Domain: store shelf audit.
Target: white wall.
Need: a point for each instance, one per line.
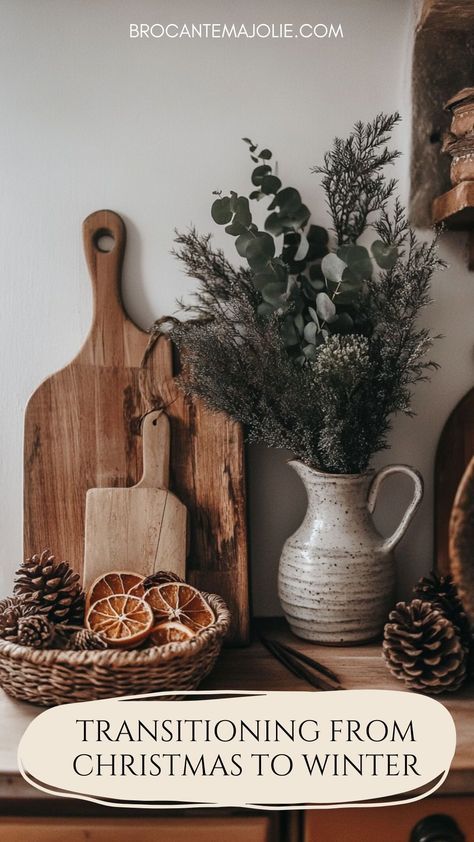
(91, 119)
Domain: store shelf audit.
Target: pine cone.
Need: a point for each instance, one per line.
(161, 577)
(86, 639)
(11, 611)
(442, 593)
(51, 587)
(422, 647)
(35, 630)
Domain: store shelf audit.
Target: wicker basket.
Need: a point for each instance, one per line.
(57, 676)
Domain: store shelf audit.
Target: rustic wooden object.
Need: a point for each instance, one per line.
(454, 452)
(82, 431)
(456, 210)
(461, 539)
(442, 15)
(142, 528)
(122, 829)
(442, 64)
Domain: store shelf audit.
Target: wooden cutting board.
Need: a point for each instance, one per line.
(455, 450)
(142, 528)
(82, 431)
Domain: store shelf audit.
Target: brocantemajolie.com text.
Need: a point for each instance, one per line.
(235, 30)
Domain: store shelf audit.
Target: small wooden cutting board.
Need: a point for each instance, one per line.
(142, 528)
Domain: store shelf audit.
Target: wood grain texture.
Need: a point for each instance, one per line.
(461, 539)
(447, 15)
(393, 824)
(143, 528)
(456, 207)
(454, 452)
(82, 431)
(123, 829)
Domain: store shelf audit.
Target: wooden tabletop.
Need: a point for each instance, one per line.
(254, 668)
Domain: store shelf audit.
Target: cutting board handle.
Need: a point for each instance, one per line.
(156, 450)
(112, 332)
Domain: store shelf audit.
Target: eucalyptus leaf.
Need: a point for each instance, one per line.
(288, 200)
(273, 225)
(318, 239)
(325, 308)
(265, 154)
(317, 284)
(310, 332)
(313, 315)
(259, 173)
(242, 242)
(270, 184)
(299, 324)
(385, 255)
(310, 352)
(260, 250)
(261, 279)
(302, 248)
(272, 293)
(358, 260)
(220, 211)
(242, 211)
(235, 228)
(332, 267)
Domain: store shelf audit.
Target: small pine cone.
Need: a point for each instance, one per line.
(36, 631)
(422, 647)
(86, 639)
(161, 577)
(11, 611)
(51, 587)
(442, 592)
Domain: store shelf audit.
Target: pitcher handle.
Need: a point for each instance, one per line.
(391, 542)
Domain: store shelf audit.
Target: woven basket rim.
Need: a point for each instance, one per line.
(122, 658)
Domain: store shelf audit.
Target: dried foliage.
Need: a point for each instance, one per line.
(331, 405)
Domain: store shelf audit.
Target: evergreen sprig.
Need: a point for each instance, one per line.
(331, 404)
(353, 176)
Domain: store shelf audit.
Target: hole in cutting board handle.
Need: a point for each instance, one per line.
(104, 240)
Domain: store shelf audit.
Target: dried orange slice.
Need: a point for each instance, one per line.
(115, 582)
(170, 632)
(180, 603)
(123, 619)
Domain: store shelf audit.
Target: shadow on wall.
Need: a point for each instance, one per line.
(276, 504)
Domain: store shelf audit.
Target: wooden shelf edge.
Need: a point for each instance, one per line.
(456, 207)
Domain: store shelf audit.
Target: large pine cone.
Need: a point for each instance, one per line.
(35, 630)
(12, 610)
(422, 647)
(442, 593)
(52, 588)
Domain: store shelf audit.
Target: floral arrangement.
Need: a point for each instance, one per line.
(311, 345)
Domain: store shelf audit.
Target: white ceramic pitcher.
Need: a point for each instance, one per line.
(337, 574)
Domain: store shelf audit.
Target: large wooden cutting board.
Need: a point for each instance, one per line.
(82, 430)
(455, 450)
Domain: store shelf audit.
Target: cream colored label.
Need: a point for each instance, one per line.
(300, 749)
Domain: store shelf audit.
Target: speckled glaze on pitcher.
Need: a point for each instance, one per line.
(337, 574)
